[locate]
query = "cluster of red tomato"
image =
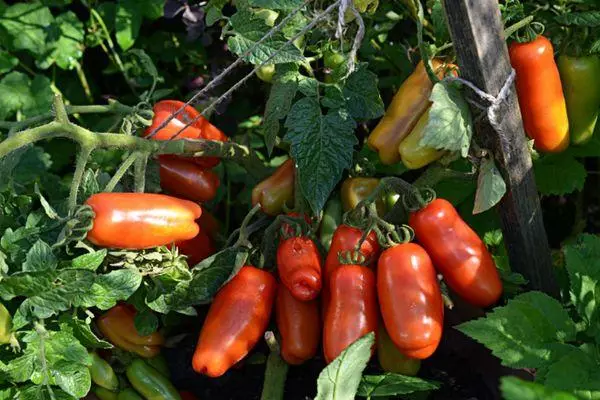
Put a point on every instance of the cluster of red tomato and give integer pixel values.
(394, 292)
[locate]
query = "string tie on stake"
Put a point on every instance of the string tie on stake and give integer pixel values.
(494, 101)
(360, 34)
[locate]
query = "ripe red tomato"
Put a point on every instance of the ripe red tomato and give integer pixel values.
(352, 310)
(197, 248)
(457, 252)
(237, 319)
(410, 299)
(299, 266)
(141, 220)
(164, 109)
(299, 324)
(540, 93)
(345, 239)
(187, 180)
(201, 128)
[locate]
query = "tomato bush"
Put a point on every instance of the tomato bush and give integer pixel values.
(282, 200)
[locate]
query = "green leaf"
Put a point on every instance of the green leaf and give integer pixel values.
(589, 19)
(450, 126)
(152, 9)
(282, 94)
(82, 331)
(393, 385)
(19, 93)
(64, 44)
(490, 186)
(558, 174)
(576, 372)
(207, 277)
(89, 261)
(249, 29)
(362, 96)
(514, 388)
(526, 333)
(214, 11)
(75, 379)
(322, 146)
(146, 322)
(284, 5)
(40, 257)
(340, 379)
(128, 21)
(7, 62)
(112, 287)
(308, 86)
(438, 20)
(582, 261)
(25, 24)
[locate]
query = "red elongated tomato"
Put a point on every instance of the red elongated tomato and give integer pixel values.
(141, 220)
(457, 252)
(352, 310)
(345, 238)
(188, 180)
(540, 93)
(197, 248)
(200, 128)
(410, 299)
(164, 109)
(299, 324)
(299, 267)
(237, 319)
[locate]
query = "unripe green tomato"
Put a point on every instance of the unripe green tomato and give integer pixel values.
(266, 73)
(160, 364)
(129, 394)
(391, 359)
(269, 16)
(5, 325)
(333, 62)
(104, 394)
(102, 373)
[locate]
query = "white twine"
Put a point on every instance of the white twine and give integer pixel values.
(351, 59)
(360, 34)
(494, 101)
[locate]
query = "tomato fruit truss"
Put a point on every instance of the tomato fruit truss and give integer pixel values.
(352, 310)
(237, 319)
(410, 299)
(457, 252)
(141, 220)
(118, 326)
(401, 116)
(299, 267)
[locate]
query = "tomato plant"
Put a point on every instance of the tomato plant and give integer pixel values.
(309, 200)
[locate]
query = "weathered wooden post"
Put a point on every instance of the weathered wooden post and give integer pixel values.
(478, 37)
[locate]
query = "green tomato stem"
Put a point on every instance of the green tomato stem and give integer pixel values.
(276, 371)
(82, 159)
(118, 175)
(140, 172)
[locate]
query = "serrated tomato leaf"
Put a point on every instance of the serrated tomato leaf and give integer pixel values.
(559, 174)
(393, 385)
(322, 146)
(340, 379)
(450, 126)
(526, 333)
